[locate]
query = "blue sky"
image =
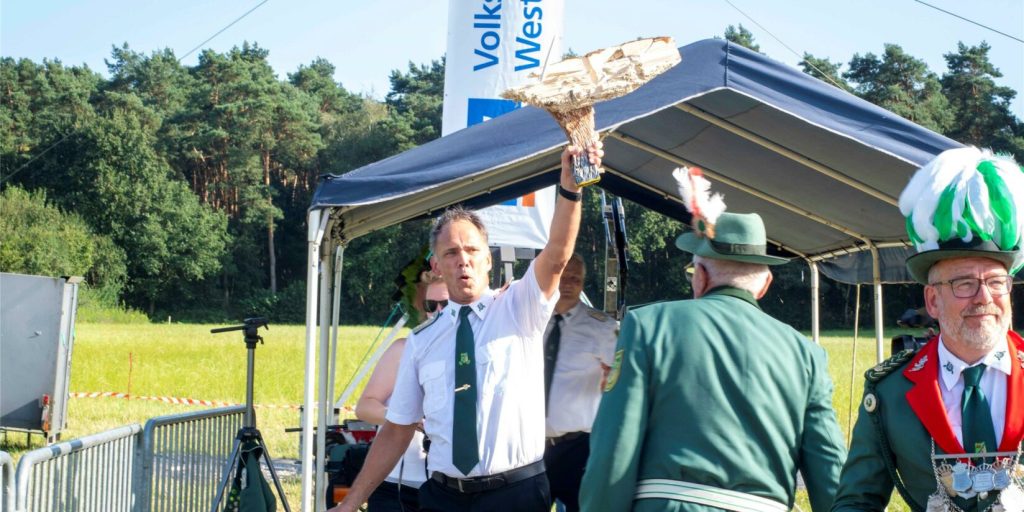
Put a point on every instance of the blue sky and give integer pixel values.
(366, 40)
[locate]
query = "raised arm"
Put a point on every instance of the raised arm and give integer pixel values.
(565, 224)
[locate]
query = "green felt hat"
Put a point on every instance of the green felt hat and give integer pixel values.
(965, 203)
(738, 237)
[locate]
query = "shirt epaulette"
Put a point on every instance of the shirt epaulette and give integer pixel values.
(424, 325)
(600, 316)
(881, 370)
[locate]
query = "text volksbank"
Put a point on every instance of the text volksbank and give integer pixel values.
(488, 22)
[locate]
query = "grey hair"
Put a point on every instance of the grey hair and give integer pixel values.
(451, 215)
(746, 276)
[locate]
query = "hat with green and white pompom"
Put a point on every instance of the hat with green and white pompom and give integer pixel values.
(965, 203)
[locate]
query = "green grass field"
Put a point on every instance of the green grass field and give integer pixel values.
(177, 360)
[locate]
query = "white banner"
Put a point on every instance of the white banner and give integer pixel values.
(494, 45)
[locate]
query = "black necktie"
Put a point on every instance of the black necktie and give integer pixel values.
(551, 356)
(465, 448)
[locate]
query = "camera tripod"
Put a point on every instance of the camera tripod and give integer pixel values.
(248, 437)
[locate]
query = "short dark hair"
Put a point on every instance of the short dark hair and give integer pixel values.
(451, 215)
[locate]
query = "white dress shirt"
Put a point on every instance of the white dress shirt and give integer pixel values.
(587, 341)
(993, 384)
(411, 469)
(507, 328)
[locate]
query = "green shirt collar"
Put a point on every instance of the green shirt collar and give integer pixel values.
(734, 292)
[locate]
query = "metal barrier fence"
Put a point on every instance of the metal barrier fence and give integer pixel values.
(93, 473)
(7, 487)
(182, 458)
(173, 464)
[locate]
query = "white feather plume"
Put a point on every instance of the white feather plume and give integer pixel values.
(695, 191)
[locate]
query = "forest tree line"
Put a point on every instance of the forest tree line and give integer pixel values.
(182, 190)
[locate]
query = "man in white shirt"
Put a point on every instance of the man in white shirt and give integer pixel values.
(579, 345)
(475, 373)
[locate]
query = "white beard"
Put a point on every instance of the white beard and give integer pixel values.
(985, 336)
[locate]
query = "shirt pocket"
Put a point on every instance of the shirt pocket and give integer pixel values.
(435, 395)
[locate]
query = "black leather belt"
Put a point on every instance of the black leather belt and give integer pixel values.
(565, 437)
(490, 482)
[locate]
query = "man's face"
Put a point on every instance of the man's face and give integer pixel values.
(977, 322)
(570, 286)
(463, 260)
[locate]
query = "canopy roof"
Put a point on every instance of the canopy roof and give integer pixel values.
(822, 167)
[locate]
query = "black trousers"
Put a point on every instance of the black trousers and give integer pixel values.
(565, 463)
(389, 498)
(529, 495)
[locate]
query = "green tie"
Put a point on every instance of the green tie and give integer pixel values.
(551, 356)
(465, 448)
(978, 433)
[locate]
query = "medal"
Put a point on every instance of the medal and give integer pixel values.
(961, 479)
(1001, 479)
(1012, 499)
(945, 475)
(982, 479)
(936, 503)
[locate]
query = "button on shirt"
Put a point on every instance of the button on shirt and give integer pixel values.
(507, 328)
(588, 339)
(993, 384)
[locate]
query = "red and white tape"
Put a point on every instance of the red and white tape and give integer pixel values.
(178, 400)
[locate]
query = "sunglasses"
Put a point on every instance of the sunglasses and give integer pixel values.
(431, 306)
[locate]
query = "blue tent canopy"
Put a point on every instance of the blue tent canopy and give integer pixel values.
(821, 166)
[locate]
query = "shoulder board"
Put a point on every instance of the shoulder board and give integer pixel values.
(881, 370)
(424, 325)
(600, 316)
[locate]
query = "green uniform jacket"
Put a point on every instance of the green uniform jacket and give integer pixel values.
(908, 406)
(716, 392)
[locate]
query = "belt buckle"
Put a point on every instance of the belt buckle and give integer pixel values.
(459, 480)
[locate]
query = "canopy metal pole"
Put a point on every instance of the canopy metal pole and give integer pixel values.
(711, 174)
(853, 367)
(317, 220)
(815, 304)
(788, 153)
(323, 404)
(876, 278)
(339, 259)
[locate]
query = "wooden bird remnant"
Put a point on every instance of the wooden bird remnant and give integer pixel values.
(569, 89)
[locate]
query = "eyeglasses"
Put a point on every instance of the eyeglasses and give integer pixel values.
(431, 306)
(967, 287)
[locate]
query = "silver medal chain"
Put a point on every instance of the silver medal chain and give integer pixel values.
(970, 481)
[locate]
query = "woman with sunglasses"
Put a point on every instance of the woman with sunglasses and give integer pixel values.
(400, 491)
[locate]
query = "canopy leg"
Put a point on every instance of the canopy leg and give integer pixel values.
(815, 303)
(853, 366)
(323, 399)
(876, 278)
(317, 221)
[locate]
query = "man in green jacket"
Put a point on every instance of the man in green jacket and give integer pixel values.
(962, 394)
(712, 404)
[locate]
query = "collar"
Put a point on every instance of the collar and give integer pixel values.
(732, 291)
(573, 311)
(480, 306)
(950, 366)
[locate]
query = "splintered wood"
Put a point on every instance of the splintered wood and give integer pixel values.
(569, 89)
